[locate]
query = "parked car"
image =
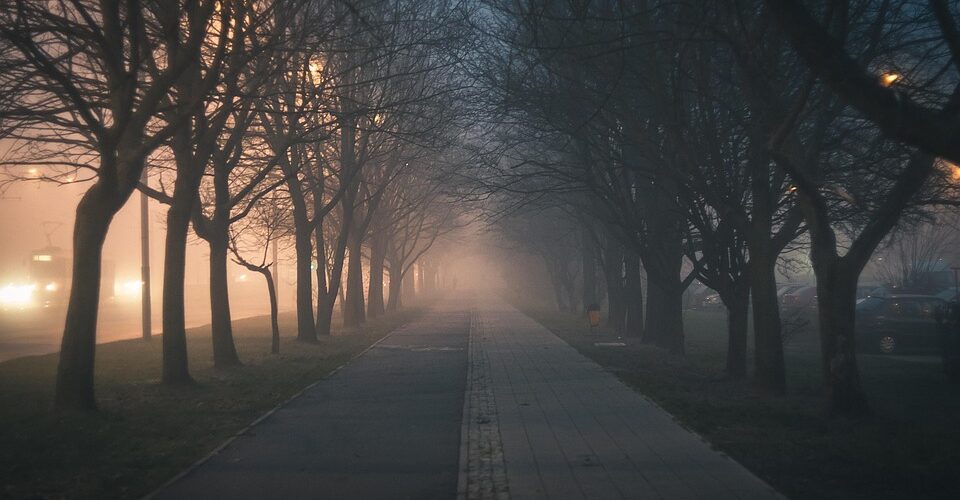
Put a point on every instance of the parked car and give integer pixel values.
(800, 298)
(785, 289)
(949, 295)
(897, 324)
(711, 301)
(864, 291)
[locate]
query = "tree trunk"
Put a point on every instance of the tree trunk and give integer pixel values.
(769, 370)
(75, 385)
(378, 253)
(408, 292)
(836, 300)
(175, 362)
(588, 262)
(421, 278)
(274, 320)
(395, 299)
(662, 255)
(613, 271)
(306, 329)
(224, 349)
(353, 313)
(664, 325)
(633, 296)
(738, 306)
(556, 282)
(325, 315)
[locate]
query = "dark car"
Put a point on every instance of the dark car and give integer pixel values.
(800, 298)
(898, 324)
(711, 301)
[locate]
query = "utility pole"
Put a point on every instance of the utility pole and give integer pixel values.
(146, 313)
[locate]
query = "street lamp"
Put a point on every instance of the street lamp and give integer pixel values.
(888, 79)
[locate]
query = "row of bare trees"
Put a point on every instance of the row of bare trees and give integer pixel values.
(256, 122)
(699, 141)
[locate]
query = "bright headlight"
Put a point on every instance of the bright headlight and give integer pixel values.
(128, 289)
(17, 295)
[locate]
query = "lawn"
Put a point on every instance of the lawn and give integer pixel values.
(145, 433)
(910, 448)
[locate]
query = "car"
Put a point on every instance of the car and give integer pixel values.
(898, 324)
(949, 295)
(711, 301)
(785, 289)
(800, 298)
(864, 291)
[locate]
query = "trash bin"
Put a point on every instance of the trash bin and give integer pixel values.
(593, 314)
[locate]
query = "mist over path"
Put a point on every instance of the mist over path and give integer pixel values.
(473, 400)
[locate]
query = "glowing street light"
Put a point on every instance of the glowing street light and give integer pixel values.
(954, 172)
(888, 79)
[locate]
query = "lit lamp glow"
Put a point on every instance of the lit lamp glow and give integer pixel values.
(888, 79)
(17, 295)
(129, 289)
(950, 169)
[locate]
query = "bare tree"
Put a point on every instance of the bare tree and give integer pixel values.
(85, 84)
(256, 235)
(913, 255)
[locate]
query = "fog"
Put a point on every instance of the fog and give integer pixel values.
(38, 214)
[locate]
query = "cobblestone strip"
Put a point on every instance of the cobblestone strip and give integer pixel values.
(482, 471)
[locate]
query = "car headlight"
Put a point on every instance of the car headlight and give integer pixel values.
(130, 289)
(17, 295)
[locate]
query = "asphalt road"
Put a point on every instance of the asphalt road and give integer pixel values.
(38, 331)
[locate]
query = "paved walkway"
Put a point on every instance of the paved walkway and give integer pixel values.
(519, 414)
(546, 422)
(385, 426)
